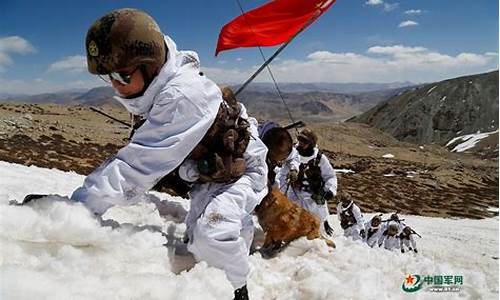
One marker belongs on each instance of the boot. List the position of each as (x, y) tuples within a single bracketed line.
[(241, 293)]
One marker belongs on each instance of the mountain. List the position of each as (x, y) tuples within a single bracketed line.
[(439, 112), (97, 97), (312, 106), (311, 101), (343, 88)]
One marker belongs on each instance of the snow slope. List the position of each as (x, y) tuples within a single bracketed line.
[(468, 141), (56, 250)]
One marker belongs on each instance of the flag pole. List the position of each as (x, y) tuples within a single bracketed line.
[(268, 61)]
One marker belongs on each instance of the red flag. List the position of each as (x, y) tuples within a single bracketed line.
[(270, 24)]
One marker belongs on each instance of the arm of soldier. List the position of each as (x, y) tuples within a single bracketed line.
[(360, 221), (381, 239), (413, 242), (173, 128), (256, 167), (366, 226), (339, 207), (292, 162), (328, 174)]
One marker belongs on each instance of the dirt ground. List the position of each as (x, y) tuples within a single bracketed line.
[(414, 179)]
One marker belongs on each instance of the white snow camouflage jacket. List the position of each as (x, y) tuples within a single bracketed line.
[(179, 106)]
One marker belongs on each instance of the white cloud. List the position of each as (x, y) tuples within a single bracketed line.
[(395, 50), (38, 85), (413, 12), (390, 6), (13, 45), (407, 23), (378, 64), (374, 2), (73, 64)]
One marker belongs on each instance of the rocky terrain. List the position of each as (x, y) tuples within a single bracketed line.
[(382, 173), (439, 112)]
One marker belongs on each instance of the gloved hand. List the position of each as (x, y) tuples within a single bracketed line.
[(362, 233), (402, 250), (328, 195), (328, 228), (415, 250), (293, 175)]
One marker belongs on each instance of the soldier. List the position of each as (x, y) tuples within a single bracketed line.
[(188, 121), (350, 217), (389, 239), (373, 230), (407, 238), (280, 149), (315, 182)]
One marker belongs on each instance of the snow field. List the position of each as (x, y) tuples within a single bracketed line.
[(55, 249)]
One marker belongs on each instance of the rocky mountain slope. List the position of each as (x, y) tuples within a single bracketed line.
[(382, 173), (439, 112)]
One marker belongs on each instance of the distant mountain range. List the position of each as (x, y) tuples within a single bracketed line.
[(311, 101), (339, 88), (438, 112)]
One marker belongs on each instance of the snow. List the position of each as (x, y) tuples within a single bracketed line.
[(469, 140), (493, 209), (431, 89), (344, 171), (54, 249), (388, 155)]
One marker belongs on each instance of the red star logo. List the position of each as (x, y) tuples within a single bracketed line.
[(409, 279)]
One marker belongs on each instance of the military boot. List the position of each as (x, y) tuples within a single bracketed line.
[(241, 293)]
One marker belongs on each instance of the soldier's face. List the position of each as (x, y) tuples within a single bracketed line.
[(135, 86)]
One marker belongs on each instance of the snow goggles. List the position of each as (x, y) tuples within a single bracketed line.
[(122, 77)]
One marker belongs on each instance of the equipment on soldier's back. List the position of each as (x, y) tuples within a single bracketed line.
[(298, 124), (309, 178), (362, 233), (293, 176), (347, 218), (220, 152), (394, 217), (219, 155), (392, 230), (322, 197), (109, 116)]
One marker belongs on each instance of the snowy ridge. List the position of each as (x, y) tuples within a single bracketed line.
[(55, 249), (468, 141)]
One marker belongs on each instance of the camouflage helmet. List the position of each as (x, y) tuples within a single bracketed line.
[(376, 220), (308, 136), (407, 230), (124, 38), (392, 229), (344, 197)]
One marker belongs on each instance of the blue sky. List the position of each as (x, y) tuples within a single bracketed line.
[(42, 42)]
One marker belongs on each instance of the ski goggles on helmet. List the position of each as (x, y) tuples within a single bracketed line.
[(123, 77)]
